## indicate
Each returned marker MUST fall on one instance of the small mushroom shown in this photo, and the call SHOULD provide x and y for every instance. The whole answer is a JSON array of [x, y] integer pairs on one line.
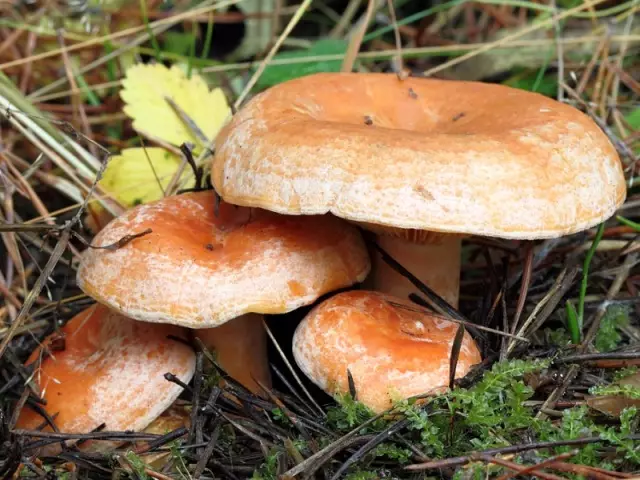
[[220, 273], [108, 370], [391, 352], [438, 160]]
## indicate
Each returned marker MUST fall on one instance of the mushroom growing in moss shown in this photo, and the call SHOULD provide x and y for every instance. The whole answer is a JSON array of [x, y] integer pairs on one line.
[[392, 353], [421, 163]]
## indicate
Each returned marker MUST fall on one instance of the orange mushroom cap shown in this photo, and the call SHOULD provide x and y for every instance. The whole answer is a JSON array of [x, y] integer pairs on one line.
[[200, 270], [392, 352], [110, 371], [425, 154]]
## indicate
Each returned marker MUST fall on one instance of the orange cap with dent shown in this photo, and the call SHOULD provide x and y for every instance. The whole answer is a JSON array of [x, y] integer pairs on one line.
[[425, 154], [200, 270], [392, 352], [111, 370]]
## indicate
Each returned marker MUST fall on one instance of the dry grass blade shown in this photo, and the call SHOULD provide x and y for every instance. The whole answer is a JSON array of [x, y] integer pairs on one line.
[[423, 303], [356, 40], [435, 301], [188, 121], [166, 22], [276, 46], [589, 337], [533, 468], [514, 36], [206, 455], [581, 470], [43, 96], [122, 241], [352, 385], [11, 244], [58, 251], [463, 460], [76, 98], [559, 50], [311, 464], [588, 357], [524, 287], [584, 53], [455, 354], [519, 468], [547, 305], [397, 38], [291, 369], [102, 435], [370, 445]]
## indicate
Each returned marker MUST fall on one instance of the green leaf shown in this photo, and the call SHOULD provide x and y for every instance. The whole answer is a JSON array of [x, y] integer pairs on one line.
[[164, 103], [140, 175], [177, 42], [276, 74], [633, 119], [548, 84]]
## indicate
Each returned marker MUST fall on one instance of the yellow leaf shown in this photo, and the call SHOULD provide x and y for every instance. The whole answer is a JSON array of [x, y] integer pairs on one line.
[[131, 180], [148, 92]]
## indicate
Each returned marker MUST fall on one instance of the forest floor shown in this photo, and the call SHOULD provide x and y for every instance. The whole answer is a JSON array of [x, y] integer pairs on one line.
[[558, 392]]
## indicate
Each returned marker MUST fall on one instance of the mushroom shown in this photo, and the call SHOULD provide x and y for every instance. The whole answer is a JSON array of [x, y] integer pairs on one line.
[[391, 352], [220, 272], [110, 370], [421, 162]]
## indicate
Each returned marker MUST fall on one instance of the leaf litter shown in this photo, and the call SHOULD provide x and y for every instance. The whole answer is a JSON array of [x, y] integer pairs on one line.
[[557, 396]]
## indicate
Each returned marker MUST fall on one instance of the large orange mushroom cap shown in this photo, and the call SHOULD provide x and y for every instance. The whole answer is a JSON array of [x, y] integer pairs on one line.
[[110, 371], [392, 352], [421, 162], [200, 270], [425, 154]]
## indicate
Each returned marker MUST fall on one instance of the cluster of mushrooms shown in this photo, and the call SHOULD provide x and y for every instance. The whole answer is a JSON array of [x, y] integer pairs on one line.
[[418, 163]]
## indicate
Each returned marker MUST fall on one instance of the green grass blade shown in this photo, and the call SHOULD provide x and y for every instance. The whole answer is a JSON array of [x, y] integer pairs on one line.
[[629, 223], [573, 325], [152, 36], [585, 273], [208, 37]]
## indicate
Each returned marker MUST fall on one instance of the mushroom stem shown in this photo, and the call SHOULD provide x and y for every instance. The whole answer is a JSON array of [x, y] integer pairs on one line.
[[435, 264], [241, 349]]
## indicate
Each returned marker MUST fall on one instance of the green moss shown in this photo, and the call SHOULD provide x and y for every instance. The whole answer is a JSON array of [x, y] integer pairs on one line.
[[495, 413], [608, 337], [348, 414]]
